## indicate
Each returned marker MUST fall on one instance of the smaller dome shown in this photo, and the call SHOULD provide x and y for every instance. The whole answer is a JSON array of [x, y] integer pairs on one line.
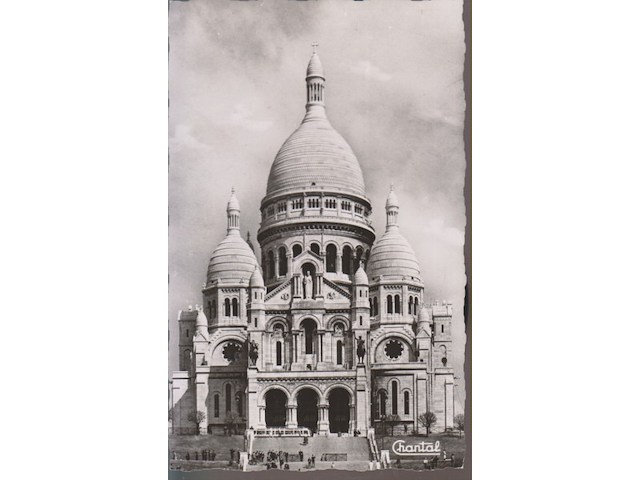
[[361, 277], [424, 315], [232, 260], [392, 256], [201, 319], [314, 69], [256, 279]]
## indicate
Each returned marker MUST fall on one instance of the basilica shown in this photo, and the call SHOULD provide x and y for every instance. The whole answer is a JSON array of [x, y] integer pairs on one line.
[[330, 331]]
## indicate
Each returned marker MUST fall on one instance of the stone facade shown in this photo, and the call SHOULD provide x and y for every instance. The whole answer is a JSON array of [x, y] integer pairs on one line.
[[331, 332]]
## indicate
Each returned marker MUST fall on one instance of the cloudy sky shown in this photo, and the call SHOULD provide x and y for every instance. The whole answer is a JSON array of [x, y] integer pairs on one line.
[[394, 90]]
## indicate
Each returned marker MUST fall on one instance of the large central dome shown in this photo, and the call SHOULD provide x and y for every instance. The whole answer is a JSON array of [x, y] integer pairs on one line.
[[315, 156]]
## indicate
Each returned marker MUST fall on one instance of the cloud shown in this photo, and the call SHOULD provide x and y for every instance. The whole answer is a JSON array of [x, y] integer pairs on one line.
[[369, 70], [242, 116]]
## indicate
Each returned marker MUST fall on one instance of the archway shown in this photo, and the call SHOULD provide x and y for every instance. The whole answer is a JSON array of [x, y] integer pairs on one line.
[[339, 414], [309, 327], [308, 409], [276, 411]]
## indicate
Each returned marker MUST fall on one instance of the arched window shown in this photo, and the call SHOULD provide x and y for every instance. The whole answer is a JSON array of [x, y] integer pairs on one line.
[[410, 310], [227, 307], [278, 353], [375, 306], [186, 356], [339, 352], [346, 260], [406, 403], [415, 305], [356, 262], [282, 261], [389, 304], [216, 405], [397, 304], [297, 250], [383, 403], [227, 397], [234, 307], [332, 254], [310, 331], [315, 248], [394, 397], [271, 265]]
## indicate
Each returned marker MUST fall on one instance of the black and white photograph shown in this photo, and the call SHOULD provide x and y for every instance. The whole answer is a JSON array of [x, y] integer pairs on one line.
[[316, 235], [249, 239]]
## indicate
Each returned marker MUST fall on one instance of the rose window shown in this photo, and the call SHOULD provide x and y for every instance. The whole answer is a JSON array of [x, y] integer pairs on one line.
[[393, 349], [231, 352]]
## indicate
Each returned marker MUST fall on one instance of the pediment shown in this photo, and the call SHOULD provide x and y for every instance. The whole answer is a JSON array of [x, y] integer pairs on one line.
[[334, 293], [308, 257]]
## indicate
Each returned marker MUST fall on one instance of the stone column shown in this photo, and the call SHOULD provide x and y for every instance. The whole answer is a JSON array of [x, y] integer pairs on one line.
[[202, 389], [298, 345], [339, 261], [242, 308], [352, 418], [289, 263], [277, 259], [323, 419], [297, 291], [292, 416], [319, 277], [262, 422]]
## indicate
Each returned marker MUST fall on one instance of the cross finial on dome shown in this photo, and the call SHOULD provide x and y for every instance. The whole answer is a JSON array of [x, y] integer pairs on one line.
[[314, 45]]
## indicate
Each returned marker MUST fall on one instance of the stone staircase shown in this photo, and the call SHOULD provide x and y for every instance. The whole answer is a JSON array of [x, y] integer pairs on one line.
[[355, 448]]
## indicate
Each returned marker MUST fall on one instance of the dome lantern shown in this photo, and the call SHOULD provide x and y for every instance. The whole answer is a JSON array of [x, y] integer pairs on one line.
[[393, 208], [315, 82], [233, 213]]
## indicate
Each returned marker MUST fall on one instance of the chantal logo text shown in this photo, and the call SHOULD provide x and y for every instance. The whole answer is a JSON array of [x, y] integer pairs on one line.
[[400, 447]]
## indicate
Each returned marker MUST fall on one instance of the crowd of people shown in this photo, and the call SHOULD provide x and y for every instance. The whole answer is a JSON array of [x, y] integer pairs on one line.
[[204, 455], [280, 459]]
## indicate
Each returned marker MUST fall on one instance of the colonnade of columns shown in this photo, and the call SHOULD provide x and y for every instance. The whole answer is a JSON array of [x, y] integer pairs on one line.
[[323, 422]]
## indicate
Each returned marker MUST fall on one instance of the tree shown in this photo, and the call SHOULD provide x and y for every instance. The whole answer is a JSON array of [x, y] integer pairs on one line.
[[197, 418], [459, 421], [393, 420], [172, 414], [232, 421], [426, 420]]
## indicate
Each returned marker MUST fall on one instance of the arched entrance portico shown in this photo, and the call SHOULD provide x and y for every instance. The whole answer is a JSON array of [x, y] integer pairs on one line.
[[339, 410], [276, 408], [308, 409]]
